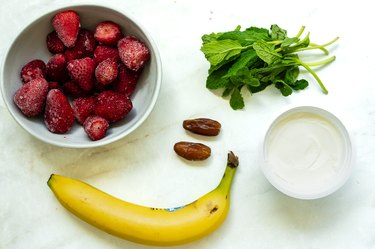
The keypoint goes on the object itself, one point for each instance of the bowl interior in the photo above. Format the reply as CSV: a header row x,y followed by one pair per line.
x,y
31,44
315,187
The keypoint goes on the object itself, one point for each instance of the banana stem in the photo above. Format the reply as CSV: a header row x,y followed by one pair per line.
x,y
230,170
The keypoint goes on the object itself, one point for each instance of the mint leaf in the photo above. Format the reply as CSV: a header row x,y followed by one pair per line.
x,y
277,33
210,37
246,58
289,41
291,74
218,51
284,88
299,84
261,87
266,52
228,91
236,100
215,80
247,37
245,77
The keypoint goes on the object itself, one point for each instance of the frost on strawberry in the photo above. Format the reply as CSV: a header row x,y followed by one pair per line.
x,y
126,81
54,44
82,72
56,68
84,47
32,70
106,71
133,52
102,53
108,33
58,114
96,127
66,24
83,107
30,97
112,106
71,89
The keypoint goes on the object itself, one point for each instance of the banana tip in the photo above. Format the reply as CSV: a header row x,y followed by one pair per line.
x,y
49,180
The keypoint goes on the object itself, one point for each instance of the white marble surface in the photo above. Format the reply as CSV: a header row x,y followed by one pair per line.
x,y
143,168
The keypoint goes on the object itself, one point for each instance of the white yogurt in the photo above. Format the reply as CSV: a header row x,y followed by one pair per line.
x,y
307,153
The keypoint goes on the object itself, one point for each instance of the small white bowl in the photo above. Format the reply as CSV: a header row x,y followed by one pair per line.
x,y
307,153
31,44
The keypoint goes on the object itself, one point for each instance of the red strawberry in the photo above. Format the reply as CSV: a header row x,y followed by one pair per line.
x,y
133,53
56,68
32,70
112,106
66,24
58,114
54,85
84,47
99,87
108,33
71,88
30,97
54,44
95,127
126,80
83,107
82,72
106,71
102,53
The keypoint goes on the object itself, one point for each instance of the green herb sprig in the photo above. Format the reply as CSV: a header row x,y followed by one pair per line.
x,y
256,58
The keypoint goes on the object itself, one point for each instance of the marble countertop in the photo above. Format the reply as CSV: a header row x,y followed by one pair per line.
x,y
143,167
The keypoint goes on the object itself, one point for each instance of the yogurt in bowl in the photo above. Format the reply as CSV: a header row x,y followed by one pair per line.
x,y
307,153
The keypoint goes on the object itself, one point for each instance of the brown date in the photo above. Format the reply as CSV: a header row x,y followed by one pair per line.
x,y
202,126
192,151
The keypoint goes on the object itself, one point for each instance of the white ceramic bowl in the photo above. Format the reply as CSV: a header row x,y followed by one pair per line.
x,y
307,153
31,44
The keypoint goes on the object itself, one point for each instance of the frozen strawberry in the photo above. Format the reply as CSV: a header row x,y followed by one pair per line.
x,y
106,71
58,114
54,44
30,97
54,85
100,87
96,127
126,80
83,107
32,70
84,47
56,68
112,106
108,33
66,24
71,89
82,72
102,53
133,53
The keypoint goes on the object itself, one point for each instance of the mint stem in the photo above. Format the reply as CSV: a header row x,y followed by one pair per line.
x,y
315,76
322,47
321,63
300,31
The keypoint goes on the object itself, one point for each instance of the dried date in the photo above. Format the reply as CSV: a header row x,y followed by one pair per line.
x,y
192,151
202,126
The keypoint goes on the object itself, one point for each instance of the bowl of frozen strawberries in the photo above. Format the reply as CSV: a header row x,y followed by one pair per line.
x,y
81,76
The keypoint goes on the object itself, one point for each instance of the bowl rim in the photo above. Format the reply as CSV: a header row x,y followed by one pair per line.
x,y
347,160
101,142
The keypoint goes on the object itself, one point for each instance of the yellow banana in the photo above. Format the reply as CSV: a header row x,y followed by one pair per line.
x,y
146,225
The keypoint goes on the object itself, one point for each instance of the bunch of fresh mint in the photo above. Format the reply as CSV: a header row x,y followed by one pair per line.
x,y
256,58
